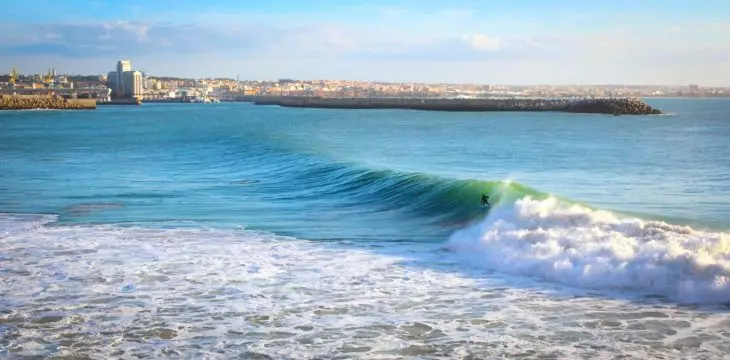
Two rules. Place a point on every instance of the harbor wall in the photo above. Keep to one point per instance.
(30, 102)
(119, 102)
(617, 106)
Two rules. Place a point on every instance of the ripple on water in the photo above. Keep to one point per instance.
(126, 293)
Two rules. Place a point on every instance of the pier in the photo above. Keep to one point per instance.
(615, 106)
(68, 93)
(31, 102)
(120, 102)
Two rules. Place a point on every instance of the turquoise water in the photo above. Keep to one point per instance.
(280, 169)
(139, 192)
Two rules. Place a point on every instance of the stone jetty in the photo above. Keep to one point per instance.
(615, 106)
(621, 106)
(32, 102)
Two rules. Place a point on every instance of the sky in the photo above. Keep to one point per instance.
(561, 42)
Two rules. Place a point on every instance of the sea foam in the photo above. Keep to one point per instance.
(582, 247)
(118, 291)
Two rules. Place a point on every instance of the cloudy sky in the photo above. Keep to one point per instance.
(465, 41)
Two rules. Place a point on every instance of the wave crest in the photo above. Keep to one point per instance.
(578, 246)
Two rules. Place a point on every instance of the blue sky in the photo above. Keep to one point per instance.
(465, 41)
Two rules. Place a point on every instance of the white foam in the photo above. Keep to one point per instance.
(12, 224)
(120, 292)
(577, 246)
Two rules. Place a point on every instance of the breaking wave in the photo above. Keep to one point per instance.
(577, 246)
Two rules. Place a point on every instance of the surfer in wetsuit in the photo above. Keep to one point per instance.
(485, 200)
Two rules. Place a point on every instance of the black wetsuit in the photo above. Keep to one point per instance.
(485, 200)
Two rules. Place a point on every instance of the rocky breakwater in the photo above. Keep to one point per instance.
(621, 106)
(33, 102)
(601, 106)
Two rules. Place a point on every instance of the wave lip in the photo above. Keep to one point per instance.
(577, 246)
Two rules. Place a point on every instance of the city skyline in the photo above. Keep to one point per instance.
(52, 71)
(521, 43)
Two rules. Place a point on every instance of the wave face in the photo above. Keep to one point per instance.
(415, 194)
(577, 246)
(304, 176)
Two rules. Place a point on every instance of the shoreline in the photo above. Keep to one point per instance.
(615, 106)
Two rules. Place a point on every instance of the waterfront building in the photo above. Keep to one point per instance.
(122, 67)
(133, 84)
(125, 83)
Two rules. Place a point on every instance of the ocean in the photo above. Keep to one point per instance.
(233, 230)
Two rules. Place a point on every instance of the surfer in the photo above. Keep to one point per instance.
(485, 200)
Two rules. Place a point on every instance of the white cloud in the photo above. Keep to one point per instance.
(330, 41)
(348, 50)
(481, 42)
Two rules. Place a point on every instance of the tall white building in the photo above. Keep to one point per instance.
(133, 84)
(123, 66)
(125, 82)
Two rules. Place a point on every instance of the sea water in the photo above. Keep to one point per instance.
(221, 230)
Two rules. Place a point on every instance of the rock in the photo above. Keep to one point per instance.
(612, 106)
(30, 102)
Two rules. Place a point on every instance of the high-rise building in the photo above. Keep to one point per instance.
(122, 67)
(125, 82)
(133, 84)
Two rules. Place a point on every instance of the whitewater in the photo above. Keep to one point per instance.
(595, 249)
(125, 292)
(299, 233)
